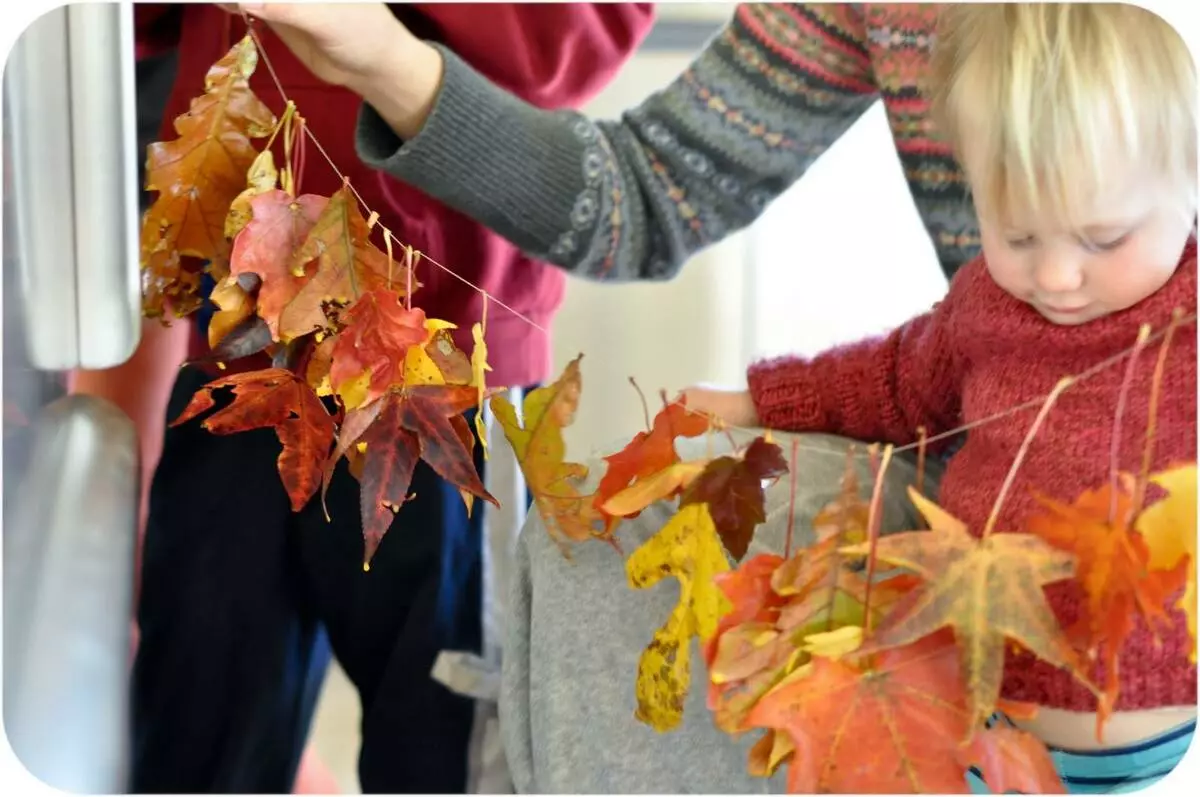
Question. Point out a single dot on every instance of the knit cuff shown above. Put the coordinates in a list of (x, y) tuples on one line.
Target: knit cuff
[(785, 396), (515, 168)]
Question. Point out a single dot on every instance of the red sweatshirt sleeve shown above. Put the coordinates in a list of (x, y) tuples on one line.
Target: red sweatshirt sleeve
[(880, 389), (551, 55)]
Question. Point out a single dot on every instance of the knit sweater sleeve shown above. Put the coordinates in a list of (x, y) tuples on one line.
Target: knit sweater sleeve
[(882, 389), (634, 198)]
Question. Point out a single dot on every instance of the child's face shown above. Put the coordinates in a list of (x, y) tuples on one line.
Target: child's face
[(1126, 247)]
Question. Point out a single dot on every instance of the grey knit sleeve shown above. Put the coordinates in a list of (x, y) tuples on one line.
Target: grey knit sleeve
[(631, 199)]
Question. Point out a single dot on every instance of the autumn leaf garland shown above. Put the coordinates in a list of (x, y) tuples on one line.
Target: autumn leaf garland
[(299, 279)]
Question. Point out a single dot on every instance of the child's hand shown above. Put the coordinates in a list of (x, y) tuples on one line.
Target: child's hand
[(734, 407)]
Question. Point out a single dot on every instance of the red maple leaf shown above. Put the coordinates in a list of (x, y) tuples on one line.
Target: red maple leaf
[(279, 399), (407, 424), (373, 346)]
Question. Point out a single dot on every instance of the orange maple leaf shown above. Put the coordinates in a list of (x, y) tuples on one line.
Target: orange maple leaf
[(1112, 568), (888, 722), (1013, 762), (197, 176), (274, 398), (650, 453)]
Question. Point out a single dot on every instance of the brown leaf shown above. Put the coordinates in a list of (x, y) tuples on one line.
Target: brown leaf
[(197, 176), (733, 489)]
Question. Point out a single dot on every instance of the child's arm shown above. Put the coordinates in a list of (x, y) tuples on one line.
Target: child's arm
[(880, 389)]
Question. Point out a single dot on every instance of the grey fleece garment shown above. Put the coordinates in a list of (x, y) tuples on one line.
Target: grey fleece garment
[(576, 631), (634, 198)]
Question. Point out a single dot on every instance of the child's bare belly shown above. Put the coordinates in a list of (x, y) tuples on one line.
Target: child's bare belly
[(1076, 730)]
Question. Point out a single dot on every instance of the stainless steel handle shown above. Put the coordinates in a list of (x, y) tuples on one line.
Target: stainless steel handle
[(69, 88), (68, 594)]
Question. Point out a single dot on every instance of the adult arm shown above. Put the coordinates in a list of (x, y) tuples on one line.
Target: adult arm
[(634, 198)]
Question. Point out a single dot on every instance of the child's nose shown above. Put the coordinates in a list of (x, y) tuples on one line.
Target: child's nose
[(1054, 273)]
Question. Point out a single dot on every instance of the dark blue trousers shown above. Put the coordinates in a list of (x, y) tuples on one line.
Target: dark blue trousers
[(243, 602)]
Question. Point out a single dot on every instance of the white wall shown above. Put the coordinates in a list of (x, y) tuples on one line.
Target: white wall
[(840, 255)]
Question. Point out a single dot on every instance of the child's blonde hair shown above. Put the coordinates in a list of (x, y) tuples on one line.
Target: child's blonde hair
[(1054, 92)]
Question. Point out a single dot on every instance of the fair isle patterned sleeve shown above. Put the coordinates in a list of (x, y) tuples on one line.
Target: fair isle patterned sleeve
[(633, 199)]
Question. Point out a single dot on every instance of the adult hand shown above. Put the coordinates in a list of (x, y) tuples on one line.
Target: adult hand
[(363, 47), (734, 407)]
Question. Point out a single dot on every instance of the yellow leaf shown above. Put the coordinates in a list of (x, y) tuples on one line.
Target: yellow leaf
[(261, 178), (537, 441), (834, 644), (235, 307), (420, 369), (354, 391), (689, 549), (1169, 528), (479, 368)]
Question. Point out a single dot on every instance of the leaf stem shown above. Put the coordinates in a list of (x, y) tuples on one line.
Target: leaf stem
[(1160, 365), (1114, 454), (645, 406), (787, 543), (874, 521), (1062, 385)]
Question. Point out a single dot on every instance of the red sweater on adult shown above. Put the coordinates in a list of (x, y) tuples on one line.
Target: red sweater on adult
[(978, 353), (551, 55)]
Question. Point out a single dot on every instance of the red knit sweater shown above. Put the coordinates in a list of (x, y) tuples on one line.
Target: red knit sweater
[(978, 353)]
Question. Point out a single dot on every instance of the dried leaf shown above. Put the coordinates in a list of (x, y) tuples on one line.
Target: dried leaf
[(267, 245), (891, 722), (279, 399), (197, 176), (235, 306), (733, 489), (347, 265), (479, 371), (649, 452), (537, 441), (369, 355), (407, 424), (1013, 761), (261, 178), (1113, 568), (687, 548), (988, 590), (1169, 529)]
